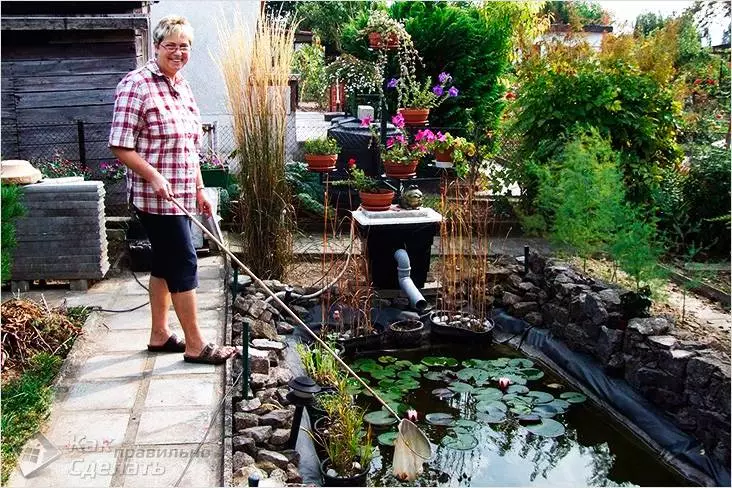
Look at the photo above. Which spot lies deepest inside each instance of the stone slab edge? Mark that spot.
(227, 462)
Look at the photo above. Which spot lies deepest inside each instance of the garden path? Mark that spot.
(126, 417)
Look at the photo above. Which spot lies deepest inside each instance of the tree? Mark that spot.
(647, 23)
(327, 18)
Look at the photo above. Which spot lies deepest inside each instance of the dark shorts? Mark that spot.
(174, 258)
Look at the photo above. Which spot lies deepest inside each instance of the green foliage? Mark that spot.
(58, 166)
(575, 12)
(11, 209)
(305, 186)
(26, 404)
(309, 63)
(327, 19)
(473, 44)
(322, 146)
(635, 247)
(361, 182)
(648, 22)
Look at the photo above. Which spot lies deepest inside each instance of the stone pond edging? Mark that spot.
(684, 377)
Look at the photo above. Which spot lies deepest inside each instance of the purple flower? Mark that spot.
(392, 83)
(444, 77)
(452, 92)
(398, 120)
(389, 142)
(437, 90)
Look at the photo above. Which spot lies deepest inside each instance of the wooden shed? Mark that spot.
(61, 62)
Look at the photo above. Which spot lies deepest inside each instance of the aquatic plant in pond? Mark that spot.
(497, 421)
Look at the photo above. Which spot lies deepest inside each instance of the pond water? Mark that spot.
(486, 438)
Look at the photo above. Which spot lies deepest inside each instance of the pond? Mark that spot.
(538, 433)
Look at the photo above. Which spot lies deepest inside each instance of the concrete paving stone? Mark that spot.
(88, 430)
(213, 260)
(75, 468)
(181, 392)
(207, 318)
(101, 395)
(173, 364)
(133, 288)
(211, 273)
(176, 426)
(113, 366)
(208, 301)
(205, 470)
(138, 319)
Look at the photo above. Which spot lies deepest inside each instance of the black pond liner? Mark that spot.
(673, 443)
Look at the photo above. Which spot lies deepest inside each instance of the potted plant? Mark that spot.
(416, 99)
(452, 151)
(383, 32)
(405, 333)
(321, 154)
(400, 157)
(213, 171)
(373, 198)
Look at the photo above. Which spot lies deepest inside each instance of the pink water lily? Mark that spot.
(412, 415)
(504, 383)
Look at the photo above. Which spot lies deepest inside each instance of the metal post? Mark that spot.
(235, 285)
(295, 429)
(82, 142)
(526, 259)
(245, 393)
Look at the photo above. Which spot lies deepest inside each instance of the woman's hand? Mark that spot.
(161, 186)
(204, 205)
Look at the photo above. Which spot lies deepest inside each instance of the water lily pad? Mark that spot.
(532, 374)
(459, 387)
(545, 410)
(547, 428)
(466, 374)
(419, 368)
(491, 417)
(443, 393)
(487, 394)
(466, 424)
(387, 438)
(520, 363)
(433, 361)
(490, 406)
(387, 359)
(439, 418)
(379, 418)
(354, 387)
(512, 377)
(435, 376)
(403, 363)
(369, 365)
(573, 397)
(475, 363)
(407, 384)
(529, 418)
(460, 441)
(517, 389)
(500, 362)
(540, 396)
(380, 374)
(387, 384)
(560, 406)
(408, 373)
(521, 409)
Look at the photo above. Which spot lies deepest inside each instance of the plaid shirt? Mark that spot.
(159, 119)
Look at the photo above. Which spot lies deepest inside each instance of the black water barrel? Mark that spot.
(354, 141)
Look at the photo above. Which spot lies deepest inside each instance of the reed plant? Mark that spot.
(256, 70)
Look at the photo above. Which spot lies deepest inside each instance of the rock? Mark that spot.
(283, 328)
(527, 287)
(400, 302)
(534, 318)
(259, 329)
(513, 281)
(281, 396)
(266, 394)
(258, 361)
(244, 444)
(293, 474)
(563, 279)
(249, 405)
(551, 312)
(278, 419)
(268, 345)
(301, 312)
(278, 477)
(509, 298)
(258, 381)
(534, 278)
(243, 475)
(497, 273)
(281, 375)
(520, 309)
(260, 434)
(674, 361)
(708, 382)
(279, 437)
(649, 326)
(292, 456)
(590, 308)
(266, 466)
(240, 460)
(610, 297)
(536, 262)
(275, 285)
(241, 305)
(276, 458)
(265, 409)
(609, 348)
(662, 341)
(245, 420)
(256, 308)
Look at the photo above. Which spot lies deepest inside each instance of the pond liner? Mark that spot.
(309, 461)
(678, 449)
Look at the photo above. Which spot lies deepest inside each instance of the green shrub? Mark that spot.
(306, 187)
(322, 146)
(12, 208)
(328, 18)
(309, 63)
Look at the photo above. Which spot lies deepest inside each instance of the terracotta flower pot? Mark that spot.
(377, 42)
(444, 156)
(321, 163)
(398, 170)
(376, 201)
(415, 116)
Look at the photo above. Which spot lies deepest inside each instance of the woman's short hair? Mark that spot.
(172, 25)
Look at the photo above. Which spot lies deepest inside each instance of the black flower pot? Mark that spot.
(357, 480)
(314, 411)
(405, 333)
(460, 334)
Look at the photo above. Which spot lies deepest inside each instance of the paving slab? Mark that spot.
(204, 470)
(173, 364)
(101, 395)
(74, 468)
(176, 426)
(88, 430)
(113, 366)
(170, 392)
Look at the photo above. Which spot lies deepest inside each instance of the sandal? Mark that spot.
(212, 354)
(173, 344)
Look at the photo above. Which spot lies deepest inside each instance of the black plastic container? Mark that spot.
(358, 480)
(354, 140)
(458, 334)
(383, 241)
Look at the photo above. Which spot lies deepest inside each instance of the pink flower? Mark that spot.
(398, 121)
(503, 383)
(400, 138)
(351, 163)
(412, 415)
(441, 137)
(336, 315)
(389, 142)
(366, 121)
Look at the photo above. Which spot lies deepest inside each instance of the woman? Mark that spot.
(156, 133)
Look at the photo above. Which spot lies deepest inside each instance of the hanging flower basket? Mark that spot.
(376, 41)
(321, 163)
(377, 200)
(415, 116)
(399, 170)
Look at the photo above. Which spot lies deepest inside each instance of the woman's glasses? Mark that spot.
(172, 47)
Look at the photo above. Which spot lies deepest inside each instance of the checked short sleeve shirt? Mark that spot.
(158, 118)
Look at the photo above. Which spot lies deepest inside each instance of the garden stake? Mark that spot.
(245, 360)
(416, 442)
